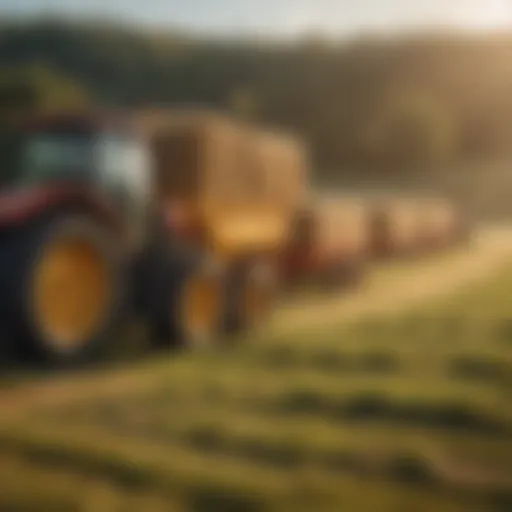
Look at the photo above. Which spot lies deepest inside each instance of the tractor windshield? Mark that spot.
(111, 160)
(47, 157)
(37, 158)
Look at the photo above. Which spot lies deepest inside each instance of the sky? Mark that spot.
(281, 17)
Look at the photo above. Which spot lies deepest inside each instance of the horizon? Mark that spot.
(326, 18)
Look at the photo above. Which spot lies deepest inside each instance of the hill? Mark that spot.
(376, 105)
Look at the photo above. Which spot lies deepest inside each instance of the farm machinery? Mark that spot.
(188, 220)
(102, 217)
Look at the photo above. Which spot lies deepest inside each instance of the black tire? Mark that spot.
(167, 272)
(262, 277)
(21, 252)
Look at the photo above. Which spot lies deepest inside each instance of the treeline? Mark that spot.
(384, 105)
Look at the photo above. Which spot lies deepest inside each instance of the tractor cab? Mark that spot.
(98, 155)
(74, 205)
(76, 149)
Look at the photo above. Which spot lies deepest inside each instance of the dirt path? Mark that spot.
(400, 286)
(394, 288)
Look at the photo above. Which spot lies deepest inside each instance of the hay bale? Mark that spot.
(352, 229)
(331, 238)
(439, 223)
(394, 227)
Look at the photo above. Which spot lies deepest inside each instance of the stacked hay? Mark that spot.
(243, 183)
(225, 160)
(195, 156)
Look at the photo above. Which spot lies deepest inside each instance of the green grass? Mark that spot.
(400, 414)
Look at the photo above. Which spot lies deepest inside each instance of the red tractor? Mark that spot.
(82, 242)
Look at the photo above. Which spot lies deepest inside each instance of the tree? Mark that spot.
(413, 131)
(38, 88)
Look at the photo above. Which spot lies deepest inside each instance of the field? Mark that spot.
(402, 412)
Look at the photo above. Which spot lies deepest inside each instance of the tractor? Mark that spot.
(100, 221)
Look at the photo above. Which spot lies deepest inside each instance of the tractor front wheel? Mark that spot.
(62, 285)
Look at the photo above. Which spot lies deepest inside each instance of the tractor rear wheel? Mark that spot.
(62, 285)
(252, 293)
(188, 302)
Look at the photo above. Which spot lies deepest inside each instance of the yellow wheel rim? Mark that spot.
(201, 306)
(71, 292)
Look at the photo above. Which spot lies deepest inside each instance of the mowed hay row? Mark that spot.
(92, 481)
(219, 432)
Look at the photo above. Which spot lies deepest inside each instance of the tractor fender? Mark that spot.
(19, 208)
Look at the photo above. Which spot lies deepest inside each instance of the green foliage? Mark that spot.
(55, 91)
(414, 130)
(36, 87)
(379, 105)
